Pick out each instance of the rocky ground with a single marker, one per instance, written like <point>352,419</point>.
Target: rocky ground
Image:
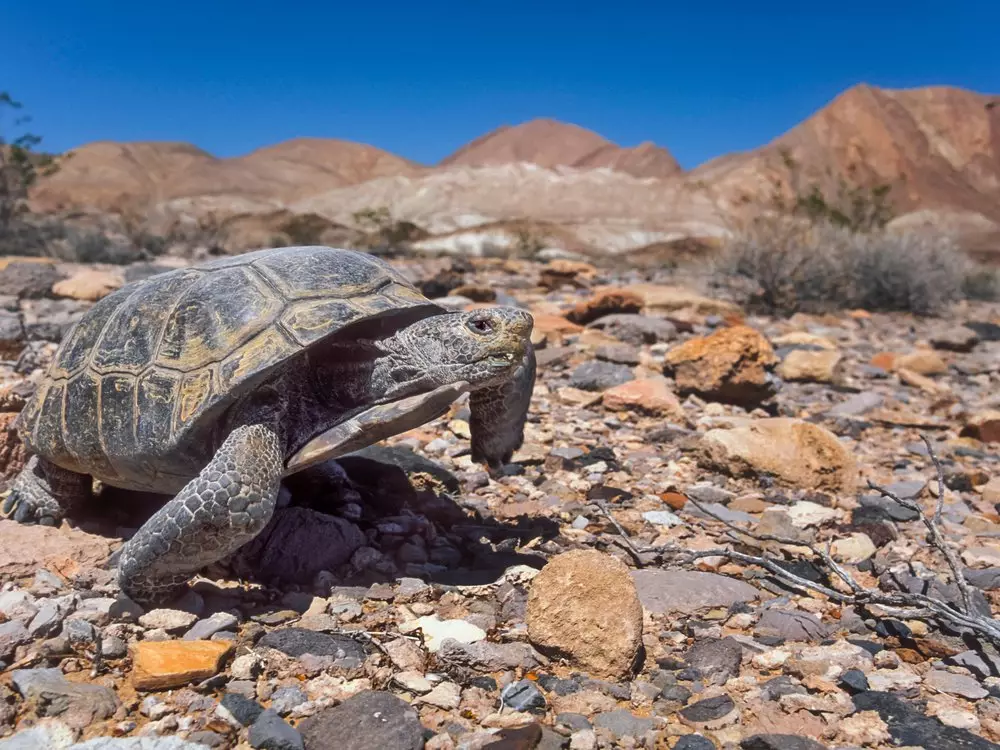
<point>597,595</point>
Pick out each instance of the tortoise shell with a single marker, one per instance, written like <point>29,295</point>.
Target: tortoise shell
<point>134,383</point>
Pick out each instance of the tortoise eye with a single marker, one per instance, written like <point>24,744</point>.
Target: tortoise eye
<point>480,325</point>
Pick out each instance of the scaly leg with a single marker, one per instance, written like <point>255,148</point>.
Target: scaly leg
<point>498,414</point>
<point>44,492</point>
<point>216,513</point>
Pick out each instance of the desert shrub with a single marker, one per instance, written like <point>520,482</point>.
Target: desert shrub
<point>94,246</point>
<point>981,283</point>
<point>305,229</point>
<point>781,266</point>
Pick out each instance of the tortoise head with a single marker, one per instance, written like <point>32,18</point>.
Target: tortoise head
<point>481,347</point>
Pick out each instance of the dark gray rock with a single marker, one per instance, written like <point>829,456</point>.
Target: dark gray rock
<point>299,641</point>
<point>909,726</point>
<point>772,690</point>
<point>271,732</point>
<point>299,542</point>
<point>791,625</point>
<point>243,709</point>
<point>715,660</point>
<point>694,742</point>
<point>600,376</point>
<point>982,664</point>
<point>28,280</point>
<point>709,709</point>
<point>79,632</point>
<point>78,704</point>
<point>574,722</point>
<point>636,329</point>
<point>987,579</point>
<point>623,723</point>
<point>780,742</point>
<point>883,507</point>
<point>854,681</point>
<point>12,635</point>
<point>622,354</point>
<point>12,336</point>
<point>523,695</point>
<point>371,720</point>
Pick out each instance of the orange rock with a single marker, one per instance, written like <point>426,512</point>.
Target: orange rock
<point>884,360</point>
<point>984,426</point>
<point>553,327</point>
<point>732,365</point>
<point>651,396</point>
<point>561,271</point>
<point>160,665</point>
<point>922,362</point>
<point>12,451</point>
<point>675,500</point>
<point>606,302</point>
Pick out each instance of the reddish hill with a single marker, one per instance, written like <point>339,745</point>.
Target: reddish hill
<point>937,146</point>
<point>550,143</point>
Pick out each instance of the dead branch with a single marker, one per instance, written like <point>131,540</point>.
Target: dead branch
<point>900,604</point>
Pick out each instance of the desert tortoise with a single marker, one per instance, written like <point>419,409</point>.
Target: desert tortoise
<point>216,381</point>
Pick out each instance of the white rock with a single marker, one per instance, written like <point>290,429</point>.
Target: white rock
<point>853,549</point>
<point>168,619</point>
<point>447,695</point>
<point>662,518</point>
<point>436,631</point>
<point>886,680</point>
<point>805,514</point>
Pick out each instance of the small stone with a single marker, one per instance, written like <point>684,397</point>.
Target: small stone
<point>811,366</point>
<point>271,732</point>
<point>791,625</point>
<point>406,654</point>
<point>710,713</point>
<point>159,665</point>
<point>285,699</point>
<point>853,549</point>
<point>694,742</point>
<point>854,681</point>
<point>436,631</point>
<point>662,518</point>
<point>600,376</point>
<point>79,632</point>
<point>78,704</point>
<point>523,695</point>
<point>715,661</point>
<point>299,641</point>
<point>370,720</point>
<point>804,514</point>
<point>415,682</point>
<point>981,557</point>
<point>47,734</point>
<point>583,605</point>
<point>955,684</point>
<point>48,619</point>
<point>780,742</point>
<point>205,629</point>
<point>623,723</point>
<point>863,728</point>
<point>243,709</point>
<point>447,696</point>
<point>113,647</point>
<point>246,667</point>
<point>648,396</point>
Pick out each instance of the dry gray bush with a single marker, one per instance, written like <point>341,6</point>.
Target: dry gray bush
<point>783,266</point>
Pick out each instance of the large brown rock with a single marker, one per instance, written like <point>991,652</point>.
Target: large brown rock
<point>583,606</point>
<point>647,395</point>
<point>26,549</point>
<point>733,365</point>
<point>797,453</point>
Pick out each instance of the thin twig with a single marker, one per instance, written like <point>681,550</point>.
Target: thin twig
<point>636,555</point>
<point>902,604</point>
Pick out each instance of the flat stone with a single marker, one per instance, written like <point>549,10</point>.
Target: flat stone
<point>414,682</point>
<point>710,713</point>
<point>78,704</point>
<point>160,665</point>
<point>623,723</point>
<point>909,727</point>
<point>12,635</point>
<point>300,641</point>
<point>47,734</point>
<point>371,720</point>
<point>686,592</point>
<point>244,710</point>
<point>791,625</point>
<point>487,657</point>
<point>694,742</point>
<point>523,695</point>
<point>170,620</point>
<point>205,629</point>
<point>857,405</point>
<point>600,376</point>
<point>804,514</point>
<point>66,551</point>
<point>955,684</point>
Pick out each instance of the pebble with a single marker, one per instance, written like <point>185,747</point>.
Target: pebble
<point>523,695</point>
<point>170,620</point>
<point>205,629</point>
<point>271,732</point>
<point>436,631</point>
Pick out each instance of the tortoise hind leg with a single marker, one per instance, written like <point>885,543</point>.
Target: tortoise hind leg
<point>43,493</point>
<point>216,513</point>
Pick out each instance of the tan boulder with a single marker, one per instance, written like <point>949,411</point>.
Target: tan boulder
<point>821,366</point>
<point>583,606</point>
<point>797,453</point>
<point>89,285</point>
<point>732,365</point>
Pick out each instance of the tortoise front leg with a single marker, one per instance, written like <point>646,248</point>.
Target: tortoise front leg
<point>43,493</point>
<point>498,414</point>
<point>215,514</point>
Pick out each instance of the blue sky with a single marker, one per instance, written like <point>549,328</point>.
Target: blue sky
<point>422,78</point>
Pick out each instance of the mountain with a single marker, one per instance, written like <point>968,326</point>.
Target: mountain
<point>938,147</point>
<point>550,143</point>
<point>113,176</point>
